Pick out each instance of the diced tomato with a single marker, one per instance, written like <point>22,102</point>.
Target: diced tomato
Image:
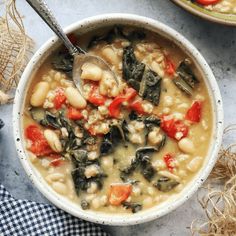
<point>114,107</point>
<point>95,97</point>
<point>41,148</point>
<point>119,193</point>
<point>137,106</point>
<point>169,159</point>
<point>207,2</point>
<point>194,112</point>
<point>74,114</point>
<point>91,131</point>
<point>174,128</point>
<point>170,67</point>
<point>59,98</point>
<point>33,133</point>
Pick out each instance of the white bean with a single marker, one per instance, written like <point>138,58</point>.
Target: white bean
<point>59,187</point>
<point>169,175</point>
<point>157,68</point>
<point>91,171</point>
<point>186,145</point>
<point>52,140</point>
<point>55,177</point>
<point>92,188</point>
<point>91,71</point>
<point>96,203</point>
<point>194,164</point>
<point>75,98</point>
<point>39,94</point>
<point>147,202</point>
<point>107,162</point>
<point>110,56</point>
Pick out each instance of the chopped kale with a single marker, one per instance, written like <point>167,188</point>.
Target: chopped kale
<point>186,80</point>
<point>84,205</point>
<point>146,82</point>
<point>165,184</point>
<point>135,207</point>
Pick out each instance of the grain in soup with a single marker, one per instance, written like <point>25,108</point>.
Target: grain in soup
<point>123,147</point>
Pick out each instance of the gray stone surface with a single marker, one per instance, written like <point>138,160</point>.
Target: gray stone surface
<point>216,43</point>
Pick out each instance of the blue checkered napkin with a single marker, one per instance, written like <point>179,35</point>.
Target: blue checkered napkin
<point>27,218</point>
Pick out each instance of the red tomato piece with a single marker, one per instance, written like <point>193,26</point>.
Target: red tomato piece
<point>207,2</point>
<point>33,133</point>
<point>74,114</point>
<point>95,97</point>
<point>170,67</point>
<point>59,98</point>
<point>114,107</point>
<point>169,159</point>
<point>41,148</point>
<point>119,193</point>
<point>137,106</point>
<point>174,128</point>
<point>194,112</point>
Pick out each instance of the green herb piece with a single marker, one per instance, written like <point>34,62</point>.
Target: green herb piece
<point>147,83</point>
<point>63,61</point>
<point>186,80</point>
<point>84,205</point>
<point>38,114</point>
<point>165,184</point>
<point>135,207</point>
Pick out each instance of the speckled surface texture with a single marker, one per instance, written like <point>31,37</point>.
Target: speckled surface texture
<point>215,42</point>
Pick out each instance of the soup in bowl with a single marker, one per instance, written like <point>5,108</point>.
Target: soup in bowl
<point>136,148</point>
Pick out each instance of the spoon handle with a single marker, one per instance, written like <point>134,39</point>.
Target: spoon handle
<point>45,13</point>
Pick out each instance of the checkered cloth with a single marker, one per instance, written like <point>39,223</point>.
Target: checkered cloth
<point>27,218</point>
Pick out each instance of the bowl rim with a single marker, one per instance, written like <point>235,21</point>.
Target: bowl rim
<point>216,17</point>
<point>98,217</point>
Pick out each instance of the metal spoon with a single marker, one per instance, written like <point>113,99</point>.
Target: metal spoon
<point>80,56</point>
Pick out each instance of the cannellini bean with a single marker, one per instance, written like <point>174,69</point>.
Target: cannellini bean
<point>148,107</point>
<point>90,197</point>
<point>168,101</point>
<point>59,187</point>
<point>194,164</point>
<point>91,71</point>
<point>92,155</point>
<point>53,140</point>
<point>39,94</point>
<point>107,162</point>
<point>108,86</point>
<point>154,137</point>
<point>136,191</point>
<point>75,98</point>
<point>92,188</point>
<point>159,164</point>
<point>33,158</point>
<point>136,138</point>
<point>45,163</point>
<point>157,68</point>
<point>91,171</point>
<point>110,56</point>
<point>169,175</point>
<point>186,145</point>
<point>55,177</point>
<point>96,203</point>
<point>151,191</point>
<point>147,202</point>
<point>103,200</point>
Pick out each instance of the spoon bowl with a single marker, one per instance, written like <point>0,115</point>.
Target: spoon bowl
<point>80,56</point>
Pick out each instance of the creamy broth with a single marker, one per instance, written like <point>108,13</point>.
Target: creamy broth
<point>178,136</point>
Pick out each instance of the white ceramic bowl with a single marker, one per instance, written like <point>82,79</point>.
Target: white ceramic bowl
<point>146,215</point>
